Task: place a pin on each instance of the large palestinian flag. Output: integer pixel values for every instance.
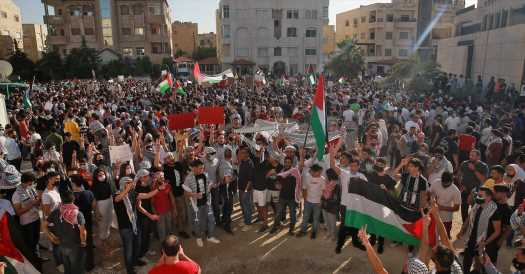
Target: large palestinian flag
(367, 204)
(12, 250)
(318, 119)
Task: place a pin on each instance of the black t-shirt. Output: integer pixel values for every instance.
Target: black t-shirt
(122, 214)
(452, 148)
(410, 195)
(146, 203)
(101, 190)
(68, 234)
(202, 186)
(259, 175)
(84, 201)
(287, 188)
(386, 180)
(176, 185)
(271, 181)
(245, 174)
(497, 216)
(183, 168)
(68, 148)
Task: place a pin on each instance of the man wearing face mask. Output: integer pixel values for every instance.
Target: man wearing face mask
(481, 228)
(518, 263)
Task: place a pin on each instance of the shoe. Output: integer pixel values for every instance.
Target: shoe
(200, 243)
(263, 228)
(313, 235)
(337, 250)
(380, 249)
(274, 229)
(359, 246)
(213, 240)
(184, 235)
(60, 268)
(300, 234)
(140, 262)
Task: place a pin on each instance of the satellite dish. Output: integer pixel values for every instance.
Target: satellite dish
(5, 69)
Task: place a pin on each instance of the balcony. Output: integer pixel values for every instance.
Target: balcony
(53, 20)
(56, 40)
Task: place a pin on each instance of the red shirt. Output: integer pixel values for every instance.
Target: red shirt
(466, 142)
(161, 201)
(24, 130)
(181, 267)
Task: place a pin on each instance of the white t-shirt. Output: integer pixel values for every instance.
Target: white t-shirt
(51, 198)
(24, 197)
(444, 165)
(449, 196)
(314, 188)
(409, 124)
(452, 122)
(348, 115)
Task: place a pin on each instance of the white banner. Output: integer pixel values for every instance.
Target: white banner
(120, 153)
(217, 77)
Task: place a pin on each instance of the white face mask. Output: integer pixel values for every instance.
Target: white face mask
(101, 178)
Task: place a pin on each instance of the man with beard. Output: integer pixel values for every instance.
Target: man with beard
(501, 192)
(472, 174)
(211, 167)
(175, 180)
(227, 188)
(448, 198)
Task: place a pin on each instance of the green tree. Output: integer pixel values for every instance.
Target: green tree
(50, 67)
(167, 63)
(420, 76)
(23, 67)
(349, 62)
(203, 53)
(143, 66)
(180, 53)
(115, 68)
(80, 62)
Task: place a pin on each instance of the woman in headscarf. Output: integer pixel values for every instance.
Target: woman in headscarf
(103, 190)
(515, 176)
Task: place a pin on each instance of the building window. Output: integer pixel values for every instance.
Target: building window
(363, 19)
(62, 32)
(388, 35)
(363, 36)
(138, 9)
(140, 51)
(403, 35)
(64, 51)
(314, 14)
(347, 23)
(139, 30)
(75, 11)
(291, 32)
(372, 35)
(277, 51)
(405, 18)
(325, 12)
(292, 52)
(124, 10)
(156, 48)
(491, 21)
(126, 31)
(484, 24)
(242, 52)
(390, 18)
(155, 28)
(225, 11)
(17, 19)
(155, 10)
(310, 52)
(388, 52)
(311, 33)
(226, 50)
(4, 14)
(292, 14)
(127, 51)
(403, 52)
(226, 31)
(89, 31)
(262, 52)
(75, 31)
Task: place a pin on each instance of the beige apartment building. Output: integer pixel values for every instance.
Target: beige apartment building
(329, 41)
(129, 27)
(184, 36)
(10, 28)
(489, 41)
(34, 40)
(207, 40)
(387, 32)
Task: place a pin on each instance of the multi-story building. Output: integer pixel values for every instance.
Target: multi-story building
(489, 41)
(284, 37)
(10, 28)
(133, 28)
(329, 43)
(34, 40)
(207, 40)
(184, 36)
(388, 32)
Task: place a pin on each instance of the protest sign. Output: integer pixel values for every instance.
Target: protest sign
(181, 121)
(120, 153)
(211, 115)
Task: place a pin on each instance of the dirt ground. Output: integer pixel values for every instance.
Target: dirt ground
(261, 253)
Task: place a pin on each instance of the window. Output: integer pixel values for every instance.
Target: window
(292, 51)
(388, 52)
(62, 32)
(75, 31)
(310, 52)
(4, 32)
(314, 14)
(262, 52)
(372, 35)
(388, 35)
(277, 14)
(308, 14)
(156, 48)
(491, 21)
(18, 35)
(155, 10)
(225, 11)
(356, 22)
(226, 50)
(140, 51)
(363, 19)
(139, 30)
(405, 18)
(89, 31)
(292, 14)
(126, 31)
(124, 10)
(17, 19)
(311, 33)
(484, 25)
(138, 9)
(403, 35)
(403, 52)
(155, 28)
(363, 36)
(242, 52)
(325, 12)
(75, 11)
(291, 32)
(277, 51)
(4, 14)
(226, 31)
(347, 23)
(390, 18)
(64, 51)
(127, 51)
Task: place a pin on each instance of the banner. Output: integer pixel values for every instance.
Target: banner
(181, 121)
(214, 79)
(211, 115)
(120, 153)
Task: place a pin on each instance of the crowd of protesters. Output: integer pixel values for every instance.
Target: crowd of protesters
(435, 153)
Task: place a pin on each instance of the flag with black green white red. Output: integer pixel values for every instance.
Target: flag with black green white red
(318, 119)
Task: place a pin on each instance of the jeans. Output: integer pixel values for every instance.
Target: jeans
(281, 212)
(131, 248)
(74, 259)
(227, 208)
(309, 210)
(216, 203)
(464, 205)
(246, 201)
(204, 221)
(31, 234)
(330, 220)
(181, 220)
(164, 225)
(146, 226)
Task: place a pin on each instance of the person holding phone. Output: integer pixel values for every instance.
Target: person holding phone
(173, 259)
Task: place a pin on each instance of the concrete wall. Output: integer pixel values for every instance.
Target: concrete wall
(184, 36)
(207, 40)
(10, 25)
(34, 40)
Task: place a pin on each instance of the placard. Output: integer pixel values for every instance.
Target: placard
(120, 153)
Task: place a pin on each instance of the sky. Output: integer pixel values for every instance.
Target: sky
(199, 11)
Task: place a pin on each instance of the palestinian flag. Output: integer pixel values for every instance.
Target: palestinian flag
(367, 204)
(26, 101)
(166, 84)
(10, 253)
(311, 76)
(318, 119)
(197, 72)
(178, 88)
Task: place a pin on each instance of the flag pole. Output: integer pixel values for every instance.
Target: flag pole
(307, 130)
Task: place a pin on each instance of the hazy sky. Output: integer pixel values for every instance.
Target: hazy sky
(200, 11)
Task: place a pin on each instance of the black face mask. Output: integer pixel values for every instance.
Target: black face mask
(99, 162)
(519, 266)
(445, 185)
(480, 200)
